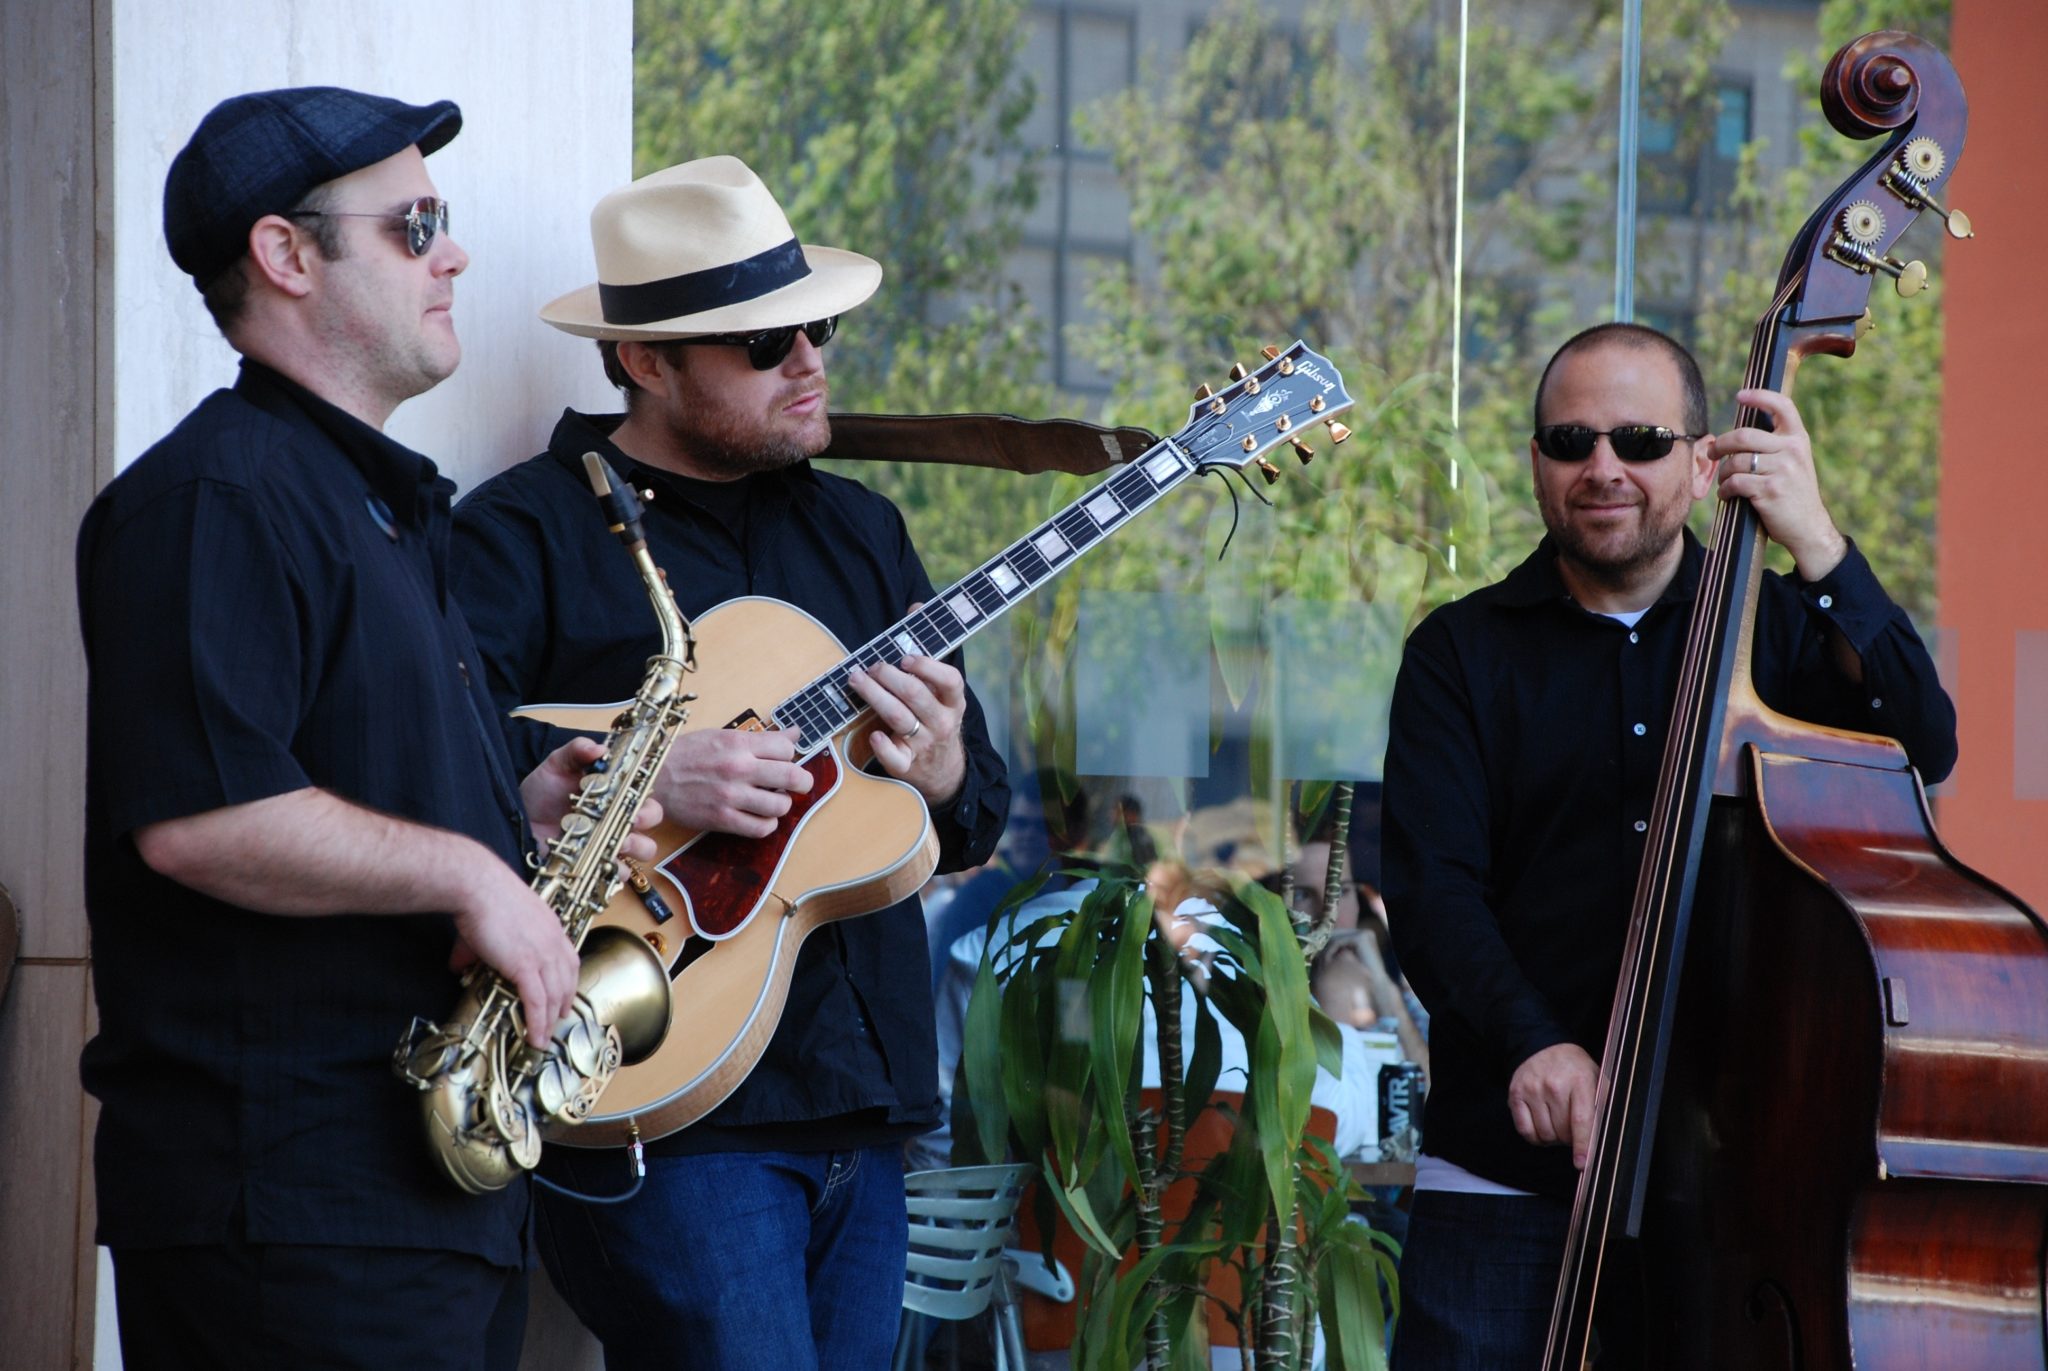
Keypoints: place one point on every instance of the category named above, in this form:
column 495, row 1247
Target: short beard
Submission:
column 1617, row 570
column 715, row 443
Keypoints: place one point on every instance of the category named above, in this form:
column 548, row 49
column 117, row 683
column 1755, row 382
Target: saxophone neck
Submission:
column 677, row 642
column 621, row 505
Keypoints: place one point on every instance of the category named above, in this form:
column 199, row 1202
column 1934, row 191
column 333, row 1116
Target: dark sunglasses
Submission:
column 766, row 349
column 1631, row 442
column 424, row 218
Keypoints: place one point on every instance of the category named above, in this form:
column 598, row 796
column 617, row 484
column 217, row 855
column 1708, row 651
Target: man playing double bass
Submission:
column 1528, row 727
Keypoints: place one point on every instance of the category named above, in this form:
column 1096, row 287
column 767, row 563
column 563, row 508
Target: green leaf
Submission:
column 1205, row 1061
column 981, row 1056
column 1283, row 1053
column 1348, row 1303
column 1115, row 1000
column 1329, row 1041
column 1064, row 1017
column 1081, row 1215
column 1022, row 1063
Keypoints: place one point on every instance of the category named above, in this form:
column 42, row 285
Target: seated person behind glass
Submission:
column 1349, row 977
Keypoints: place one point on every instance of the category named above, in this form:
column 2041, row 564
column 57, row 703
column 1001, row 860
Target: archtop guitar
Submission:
column 728, row 914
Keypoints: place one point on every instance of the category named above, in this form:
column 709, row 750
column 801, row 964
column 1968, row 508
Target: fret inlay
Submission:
column 1164, row 467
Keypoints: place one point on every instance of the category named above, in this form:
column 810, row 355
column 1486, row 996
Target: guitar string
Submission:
column 1134, row 489
column 1661, row 869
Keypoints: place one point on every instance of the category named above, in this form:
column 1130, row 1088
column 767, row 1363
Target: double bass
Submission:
column 1821, row 1133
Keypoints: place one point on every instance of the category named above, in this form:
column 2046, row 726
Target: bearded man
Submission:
column 1527, row 731
column 772, row 1233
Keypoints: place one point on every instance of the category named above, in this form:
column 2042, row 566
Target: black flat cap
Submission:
column 259, row 154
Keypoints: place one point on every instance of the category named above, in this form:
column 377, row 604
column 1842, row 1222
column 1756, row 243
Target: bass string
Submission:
column 1676, row 775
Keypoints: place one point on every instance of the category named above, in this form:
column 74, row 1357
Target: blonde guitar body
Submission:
column 729, row 914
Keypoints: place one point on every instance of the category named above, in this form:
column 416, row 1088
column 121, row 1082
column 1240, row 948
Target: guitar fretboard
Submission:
column 828, row 704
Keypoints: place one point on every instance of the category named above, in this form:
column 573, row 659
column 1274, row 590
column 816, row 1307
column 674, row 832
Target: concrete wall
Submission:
column 103, row 346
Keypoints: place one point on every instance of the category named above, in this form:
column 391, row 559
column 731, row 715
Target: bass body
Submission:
column 728, row 915
column 1821, row 1137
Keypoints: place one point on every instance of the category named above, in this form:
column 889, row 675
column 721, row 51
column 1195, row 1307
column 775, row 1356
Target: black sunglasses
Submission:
column 766, row 349
column 1631, row 442
column 423, row 218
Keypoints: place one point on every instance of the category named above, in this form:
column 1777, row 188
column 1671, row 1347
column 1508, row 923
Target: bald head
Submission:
column 1635, row 337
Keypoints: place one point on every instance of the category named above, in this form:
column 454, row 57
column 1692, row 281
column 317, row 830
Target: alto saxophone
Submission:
column 485, row 1089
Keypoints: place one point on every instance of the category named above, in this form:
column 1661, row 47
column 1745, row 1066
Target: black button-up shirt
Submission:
column 265, row 603
column 560, row 614
column 1522, row 765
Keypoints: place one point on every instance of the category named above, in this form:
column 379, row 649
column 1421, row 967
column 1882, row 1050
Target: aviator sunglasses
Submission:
column 423, row 218
column 1631, row 442
column 766, row 349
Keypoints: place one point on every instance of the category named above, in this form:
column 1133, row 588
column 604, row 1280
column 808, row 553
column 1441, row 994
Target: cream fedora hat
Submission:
column 704, row 248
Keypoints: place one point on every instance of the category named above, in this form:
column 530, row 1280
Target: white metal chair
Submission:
column 960, row 1218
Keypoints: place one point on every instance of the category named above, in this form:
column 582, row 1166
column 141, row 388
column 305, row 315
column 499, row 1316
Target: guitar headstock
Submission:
column 1257, row 411
column 1900, row 87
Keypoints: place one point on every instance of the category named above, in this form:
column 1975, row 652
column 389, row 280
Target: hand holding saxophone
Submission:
column 501, row 922
column 550, row 787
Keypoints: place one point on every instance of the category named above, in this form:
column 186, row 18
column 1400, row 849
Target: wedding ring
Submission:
column 1752, row 463
column 916, row 725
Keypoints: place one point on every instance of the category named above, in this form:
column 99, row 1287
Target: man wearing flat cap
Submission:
column 771, row 1233
column 300, row 820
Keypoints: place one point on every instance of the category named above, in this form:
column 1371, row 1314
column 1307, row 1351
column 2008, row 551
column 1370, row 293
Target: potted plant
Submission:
column 1053, row 1072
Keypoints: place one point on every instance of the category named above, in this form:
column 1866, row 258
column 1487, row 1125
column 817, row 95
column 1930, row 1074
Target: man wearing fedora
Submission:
column 788, row 1198
column 299, row 821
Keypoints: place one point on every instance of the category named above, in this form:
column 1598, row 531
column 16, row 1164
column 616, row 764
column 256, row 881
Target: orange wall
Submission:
column 1992, row 538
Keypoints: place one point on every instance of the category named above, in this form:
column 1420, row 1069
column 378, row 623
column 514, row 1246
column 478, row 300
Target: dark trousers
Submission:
column 1478, row 1277
column 256, row 1306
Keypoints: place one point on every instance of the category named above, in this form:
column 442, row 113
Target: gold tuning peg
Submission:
column 1269, row 352
column 1269, row 471
column 1238, row 373
column 1957, row 221
column 1302, row 450
column 1865, row 325
column 1202, row 391
column 1338, row 433
column 1908, row 278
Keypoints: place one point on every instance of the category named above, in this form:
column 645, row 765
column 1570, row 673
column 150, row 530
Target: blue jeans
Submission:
column 734, row 1261
column 1478, row 1277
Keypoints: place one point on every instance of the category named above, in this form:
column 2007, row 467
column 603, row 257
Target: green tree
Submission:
column 1875, row 417
column 1302, row 182
column 889, row 127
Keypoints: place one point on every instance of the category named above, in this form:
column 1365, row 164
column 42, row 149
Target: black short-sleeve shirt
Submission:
column 265, row 604
column 560, row 615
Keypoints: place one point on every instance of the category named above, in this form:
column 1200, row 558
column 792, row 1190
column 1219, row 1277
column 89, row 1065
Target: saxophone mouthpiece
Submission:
column 621, row 505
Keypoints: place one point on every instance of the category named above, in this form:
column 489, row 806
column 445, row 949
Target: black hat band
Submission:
column 695, row 292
